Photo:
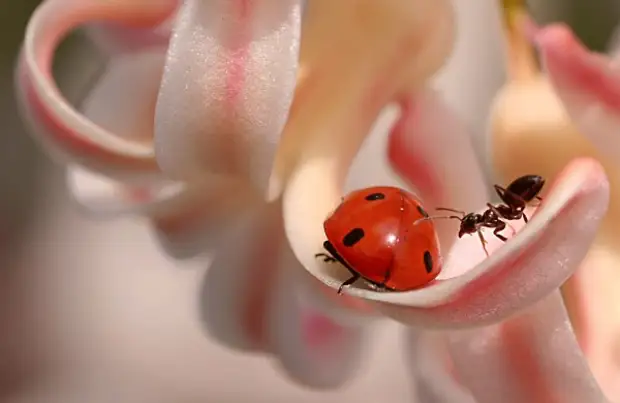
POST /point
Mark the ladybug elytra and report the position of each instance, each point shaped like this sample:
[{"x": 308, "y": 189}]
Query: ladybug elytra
[{"x": 380, "y": 235}]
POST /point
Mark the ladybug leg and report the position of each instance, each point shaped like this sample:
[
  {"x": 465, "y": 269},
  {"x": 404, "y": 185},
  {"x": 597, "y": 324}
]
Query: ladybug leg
[
  {"x": 335, "y": 255},
  {"x": 326, "y": 258},
  {"x": 348, "y": 282}
]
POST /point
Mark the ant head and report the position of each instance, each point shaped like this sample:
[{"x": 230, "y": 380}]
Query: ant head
[{"x": 469, "y": 224}]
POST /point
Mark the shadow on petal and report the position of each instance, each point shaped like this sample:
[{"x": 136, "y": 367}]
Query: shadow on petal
[
  {"x": 532, "y": 357},
  {"x": 587, "y": 83}
]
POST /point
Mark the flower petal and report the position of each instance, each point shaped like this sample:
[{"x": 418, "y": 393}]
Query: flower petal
[
  {"x": 587, "y": 83},
  {"x": 117, "y": 39},
  {"x": 238, "y": 283},
  {"x": 312, "y": 348},
  {"x": 432, "y": 369},
  {"x": 228, "y": 85},
  {"x": 127, "y": 113},
  {"x": 59, "y": 126},
  {"x": 102, "y": 196},
  {"x": 532, "y": 357},
  {"x": 430, "y": 147},
  {"x": 538, "y": 260}
]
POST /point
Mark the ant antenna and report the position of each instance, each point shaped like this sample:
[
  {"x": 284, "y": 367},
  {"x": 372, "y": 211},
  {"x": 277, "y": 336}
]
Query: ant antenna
[
  {"x": 451, "y": 209},
  {"x": 438, "y": 217}
]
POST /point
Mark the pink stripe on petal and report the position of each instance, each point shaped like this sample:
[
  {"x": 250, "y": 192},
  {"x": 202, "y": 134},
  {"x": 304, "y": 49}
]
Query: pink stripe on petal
[{"x": 236, "y": 63}]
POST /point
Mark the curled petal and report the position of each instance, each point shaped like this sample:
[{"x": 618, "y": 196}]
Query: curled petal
[
  {"x": 587, "y": 83},
  {"x": 227, "y": 88},
  {"x": 59, "y": 126},
  {"x": 116, "y": 39},
  {"x": 533, "y": 357},
  {"x": 532, "y": 264},
  {"x": 432, "y": 368}
]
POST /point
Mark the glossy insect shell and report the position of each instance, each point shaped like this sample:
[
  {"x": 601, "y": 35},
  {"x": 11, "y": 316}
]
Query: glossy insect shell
[
  {"x": 373, "y": 231},
  {"x": 525, "y": 187}
]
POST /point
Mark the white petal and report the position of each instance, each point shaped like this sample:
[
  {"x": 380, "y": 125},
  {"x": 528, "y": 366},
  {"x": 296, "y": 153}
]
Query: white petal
[
  {"x": 66, "y": 132},
  {"x": 236, "y": 288},
  {"x": 532, "y": 357},
  {"x": 228, "y": 85},
  {"x": 311, "y": 347},
  {"x": 432, "y": 368}
]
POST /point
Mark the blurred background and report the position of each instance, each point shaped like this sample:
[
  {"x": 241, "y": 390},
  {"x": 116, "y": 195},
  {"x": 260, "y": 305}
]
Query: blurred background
[{"x": 92, "y": 309}]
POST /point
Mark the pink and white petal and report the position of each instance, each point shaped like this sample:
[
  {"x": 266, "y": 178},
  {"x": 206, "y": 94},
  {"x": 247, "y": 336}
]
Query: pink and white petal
[
  {"x": 313, "y": 348},
  {"x": 123, "y": 100},
  {"x": 530, "y": 266},
  {"x": 102, "y": 196},
  {"x": 587, "y": 83},
  {"x": 227, "y": 88},
  {"x": 192, "y": 221},
  {"x": 430, "y": 147},
  {"x": 67, "y": 133},
  {"x": 533, "y": 357},
  {"x": 239, "y": 282},
  {"x": 117, "y": 39},
  {"x": 432, "y": 368}
]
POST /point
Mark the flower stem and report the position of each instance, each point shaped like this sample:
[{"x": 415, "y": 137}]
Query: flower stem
[{"x": 522, "y": 63}]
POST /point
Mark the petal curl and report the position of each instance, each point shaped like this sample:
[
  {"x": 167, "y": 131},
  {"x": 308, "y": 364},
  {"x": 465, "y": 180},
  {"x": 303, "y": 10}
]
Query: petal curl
[
  {"x": 534, "y": 263},
  {"x": 587, "y": 83},
  {"x": 533, "y": 357},
  {"x": 229, "y": 80},
  {"x": 59, "y": 126}
]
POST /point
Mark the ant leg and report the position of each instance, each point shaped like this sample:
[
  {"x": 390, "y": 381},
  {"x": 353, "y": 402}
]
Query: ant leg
[
  {"x": 524, "y": 218},
  {"x": 500, "y": 227},
  {"x": 326, "y": 258},
  {"x": 483, "y": 242},
  {"x": 348, "y": 282}
]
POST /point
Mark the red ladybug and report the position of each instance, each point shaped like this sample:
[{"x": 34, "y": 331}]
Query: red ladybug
[{"x": 372, "y": 233}]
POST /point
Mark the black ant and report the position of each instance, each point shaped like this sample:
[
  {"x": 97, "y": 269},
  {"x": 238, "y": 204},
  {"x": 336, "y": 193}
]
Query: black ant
[{"x": 516, "y": 196}]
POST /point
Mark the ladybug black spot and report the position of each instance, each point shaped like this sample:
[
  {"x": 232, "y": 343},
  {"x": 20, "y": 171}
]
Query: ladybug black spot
[
  {"x": 375, "y": 196},
  {"x": 353, "y": 237},
  {"x": 422, "y": 211},
  {"x": 428, "y": 261}
]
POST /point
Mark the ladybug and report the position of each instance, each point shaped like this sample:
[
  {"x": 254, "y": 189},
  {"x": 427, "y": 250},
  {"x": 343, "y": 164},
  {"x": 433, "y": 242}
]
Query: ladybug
[{"x": 382, "y": 235}]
